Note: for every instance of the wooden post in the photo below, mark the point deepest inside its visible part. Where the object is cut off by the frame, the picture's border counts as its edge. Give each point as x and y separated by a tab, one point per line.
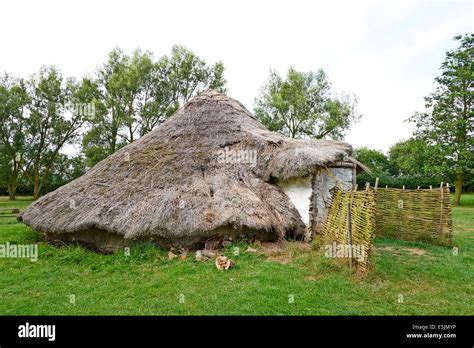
354	176
349	232
386	186
431	187
355	187
367	186
403	187
441	211
418	188
376	183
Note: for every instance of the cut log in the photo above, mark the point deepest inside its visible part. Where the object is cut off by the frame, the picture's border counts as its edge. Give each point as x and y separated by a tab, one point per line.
224	263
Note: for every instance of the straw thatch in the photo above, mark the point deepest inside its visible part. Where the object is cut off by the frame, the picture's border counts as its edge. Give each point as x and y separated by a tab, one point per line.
174	186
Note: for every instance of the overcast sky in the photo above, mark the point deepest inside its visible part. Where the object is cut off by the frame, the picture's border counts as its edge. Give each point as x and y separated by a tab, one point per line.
386	52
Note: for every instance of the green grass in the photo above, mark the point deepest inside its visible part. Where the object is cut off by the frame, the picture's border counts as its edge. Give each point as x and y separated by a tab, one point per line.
147	283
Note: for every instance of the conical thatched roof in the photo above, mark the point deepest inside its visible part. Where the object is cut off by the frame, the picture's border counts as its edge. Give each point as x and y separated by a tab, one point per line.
174	185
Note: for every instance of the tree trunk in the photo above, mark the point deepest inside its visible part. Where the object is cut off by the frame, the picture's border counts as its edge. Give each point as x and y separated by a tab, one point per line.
12	192
12	185
42	182
113	143
458	189
130	129
36	180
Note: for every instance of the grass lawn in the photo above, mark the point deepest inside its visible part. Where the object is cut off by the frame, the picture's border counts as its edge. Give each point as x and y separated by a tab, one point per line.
431	279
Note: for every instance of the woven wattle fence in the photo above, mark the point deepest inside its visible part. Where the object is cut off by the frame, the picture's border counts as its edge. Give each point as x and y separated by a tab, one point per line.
355	230
414	215
410	215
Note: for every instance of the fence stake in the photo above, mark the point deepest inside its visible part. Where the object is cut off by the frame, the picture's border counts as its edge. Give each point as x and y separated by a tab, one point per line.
376	183
367	185
441	210
349	232
418	187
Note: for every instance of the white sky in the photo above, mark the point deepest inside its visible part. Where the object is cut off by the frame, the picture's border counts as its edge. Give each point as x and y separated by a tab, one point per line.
386	52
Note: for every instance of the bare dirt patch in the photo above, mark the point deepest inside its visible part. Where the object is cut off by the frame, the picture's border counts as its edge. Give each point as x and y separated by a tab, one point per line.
403	250
314	277
416	251
282	251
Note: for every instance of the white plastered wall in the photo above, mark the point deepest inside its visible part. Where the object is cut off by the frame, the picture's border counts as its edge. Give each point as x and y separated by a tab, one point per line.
299	191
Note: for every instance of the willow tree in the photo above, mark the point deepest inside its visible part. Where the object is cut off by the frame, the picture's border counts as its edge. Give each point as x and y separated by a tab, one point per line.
302	105
53	121
448	122
138	93
13	138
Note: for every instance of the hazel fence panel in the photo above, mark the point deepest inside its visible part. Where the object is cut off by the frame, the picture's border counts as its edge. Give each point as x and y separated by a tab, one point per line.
422	215
349	226
355	217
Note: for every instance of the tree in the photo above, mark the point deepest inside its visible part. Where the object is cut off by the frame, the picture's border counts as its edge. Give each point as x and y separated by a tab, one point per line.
448	122
301	105
188	74
53	122
415	156
378	164
410	163
13	145
66	169
138	94
174	80
374	159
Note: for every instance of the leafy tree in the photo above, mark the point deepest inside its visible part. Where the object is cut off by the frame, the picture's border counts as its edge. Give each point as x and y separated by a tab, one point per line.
416	157
301	105
139	93
188	75
14	144
156	103
53	121
174	80
118	88
448	122
374	159
378	164
65	169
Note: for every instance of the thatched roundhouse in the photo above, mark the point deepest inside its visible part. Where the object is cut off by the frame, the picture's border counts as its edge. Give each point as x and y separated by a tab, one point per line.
210	170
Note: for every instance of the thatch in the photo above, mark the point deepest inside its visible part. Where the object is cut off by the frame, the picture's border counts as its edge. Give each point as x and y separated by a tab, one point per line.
172	186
